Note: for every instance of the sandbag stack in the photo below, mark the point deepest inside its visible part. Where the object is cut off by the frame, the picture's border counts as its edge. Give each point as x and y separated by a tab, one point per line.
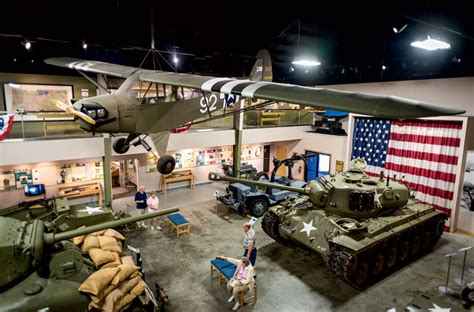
118	280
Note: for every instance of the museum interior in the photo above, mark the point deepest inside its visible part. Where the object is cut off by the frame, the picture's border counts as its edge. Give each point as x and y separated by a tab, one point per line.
168	157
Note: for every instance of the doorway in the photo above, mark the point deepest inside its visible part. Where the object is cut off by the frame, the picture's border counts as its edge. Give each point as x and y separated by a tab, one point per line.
266	158
281	154
317	166
124	177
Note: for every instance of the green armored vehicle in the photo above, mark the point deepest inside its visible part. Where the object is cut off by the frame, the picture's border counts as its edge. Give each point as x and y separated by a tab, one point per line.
43	270
365	228
60	216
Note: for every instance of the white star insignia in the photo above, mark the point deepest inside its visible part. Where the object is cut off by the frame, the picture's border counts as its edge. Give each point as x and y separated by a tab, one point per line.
92	210
308	227
437	308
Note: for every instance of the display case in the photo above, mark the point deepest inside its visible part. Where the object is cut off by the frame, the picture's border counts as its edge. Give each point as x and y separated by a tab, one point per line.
80	189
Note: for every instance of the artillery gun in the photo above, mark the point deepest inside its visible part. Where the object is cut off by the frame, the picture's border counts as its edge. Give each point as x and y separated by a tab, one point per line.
59	215
44	270
365	228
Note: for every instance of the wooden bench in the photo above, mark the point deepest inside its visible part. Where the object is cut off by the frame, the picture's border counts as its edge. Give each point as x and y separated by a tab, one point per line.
177	176
179	223
225	271
269	116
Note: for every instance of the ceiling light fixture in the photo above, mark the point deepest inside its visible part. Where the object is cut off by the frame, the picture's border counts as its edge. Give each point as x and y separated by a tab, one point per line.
398	30
431	44
307	63
84	45
384	67
27	44
175	59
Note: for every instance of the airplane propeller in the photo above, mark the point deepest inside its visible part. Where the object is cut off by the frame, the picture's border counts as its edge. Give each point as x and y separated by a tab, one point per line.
69	109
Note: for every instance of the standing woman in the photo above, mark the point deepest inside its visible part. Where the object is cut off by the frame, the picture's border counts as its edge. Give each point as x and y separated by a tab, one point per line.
140	200
153	204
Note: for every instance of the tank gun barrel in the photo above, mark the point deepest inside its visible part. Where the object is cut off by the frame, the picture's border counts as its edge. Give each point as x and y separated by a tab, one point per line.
216	177
50	238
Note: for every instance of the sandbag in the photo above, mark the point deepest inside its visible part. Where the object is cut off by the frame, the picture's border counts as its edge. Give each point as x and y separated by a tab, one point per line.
114	233
125	271
90	241
127	260
114	263
110	302
124	288
97	299
98	281
100	256
98	233
79	239
109	243
137	290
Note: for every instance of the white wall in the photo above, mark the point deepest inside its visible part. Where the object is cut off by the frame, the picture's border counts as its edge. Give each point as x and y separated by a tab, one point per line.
452	92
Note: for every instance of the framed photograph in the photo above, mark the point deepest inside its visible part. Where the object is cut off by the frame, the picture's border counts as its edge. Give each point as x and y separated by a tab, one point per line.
35	97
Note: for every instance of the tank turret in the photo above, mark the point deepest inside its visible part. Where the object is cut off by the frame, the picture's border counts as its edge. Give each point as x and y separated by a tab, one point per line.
364	227
352	194
23	244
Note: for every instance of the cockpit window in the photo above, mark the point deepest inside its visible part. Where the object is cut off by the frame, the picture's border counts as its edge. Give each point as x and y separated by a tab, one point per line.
152	93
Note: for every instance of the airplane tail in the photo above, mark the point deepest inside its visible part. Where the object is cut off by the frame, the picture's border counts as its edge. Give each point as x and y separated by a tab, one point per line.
262	70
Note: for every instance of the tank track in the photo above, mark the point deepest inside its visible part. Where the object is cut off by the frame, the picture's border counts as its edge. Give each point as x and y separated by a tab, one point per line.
270	225
367	266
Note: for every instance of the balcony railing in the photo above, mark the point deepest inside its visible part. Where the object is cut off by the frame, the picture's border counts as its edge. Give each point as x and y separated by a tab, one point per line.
40	125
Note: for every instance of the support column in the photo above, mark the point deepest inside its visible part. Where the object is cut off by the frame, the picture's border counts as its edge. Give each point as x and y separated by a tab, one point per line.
106	170
238	128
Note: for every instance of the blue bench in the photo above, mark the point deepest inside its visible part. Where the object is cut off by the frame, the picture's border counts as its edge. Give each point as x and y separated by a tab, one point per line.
179	223
225	271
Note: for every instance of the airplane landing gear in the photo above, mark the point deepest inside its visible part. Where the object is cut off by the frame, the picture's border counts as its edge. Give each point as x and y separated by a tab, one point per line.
120	147
166	164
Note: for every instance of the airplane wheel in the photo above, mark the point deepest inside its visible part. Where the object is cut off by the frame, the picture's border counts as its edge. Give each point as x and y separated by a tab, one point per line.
119	146
166	164
468	297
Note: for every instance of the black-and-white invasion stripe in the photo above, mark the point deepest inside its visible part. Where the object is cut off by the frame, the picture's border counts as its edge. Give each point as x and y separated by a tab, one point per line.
245	88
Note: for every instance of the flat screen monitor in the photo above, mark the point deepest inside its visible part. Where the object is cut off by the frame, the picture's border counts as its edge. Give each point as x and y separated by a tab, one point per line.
34	189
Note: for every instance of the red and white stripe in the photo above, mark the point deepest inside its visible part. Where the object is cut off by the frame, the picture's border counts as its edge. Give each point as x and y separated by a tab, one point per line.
425	154
7	126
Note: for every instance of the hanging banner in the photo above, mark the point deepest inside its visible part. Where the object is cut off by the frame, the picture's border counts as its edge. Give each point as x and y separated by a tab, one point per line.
6	124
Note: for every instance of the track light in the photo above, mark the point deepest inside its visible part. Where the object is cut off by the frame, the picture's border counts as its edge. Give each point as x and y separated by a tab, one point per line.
84	45
27	44
398	30
175	59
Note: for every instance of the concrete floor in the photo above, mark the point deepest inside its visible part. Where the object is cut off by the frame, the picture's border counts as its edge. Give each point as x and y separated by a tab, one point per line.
288	279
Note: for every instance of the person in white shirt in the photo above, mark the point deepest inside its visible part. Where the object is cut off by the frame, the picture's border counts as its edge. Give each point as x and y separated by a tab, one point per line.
153	203
242	280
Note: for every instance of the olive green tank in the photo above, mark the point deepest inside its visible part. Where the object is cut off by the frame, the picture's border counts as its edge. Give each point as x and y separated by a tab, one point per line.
365	228
44	270
60	216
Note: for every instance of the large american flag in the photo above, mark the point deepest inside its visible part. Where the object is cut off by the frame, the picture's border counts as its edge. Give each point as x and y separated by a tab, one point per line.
422	153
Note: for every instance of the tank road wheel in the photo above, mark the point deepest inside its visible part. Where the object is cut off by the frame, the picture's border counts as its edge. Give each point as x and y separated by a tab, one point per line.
403	251
426	240
391	257
257	206
361	273
120	147
377	263
166	164
440	227
415	244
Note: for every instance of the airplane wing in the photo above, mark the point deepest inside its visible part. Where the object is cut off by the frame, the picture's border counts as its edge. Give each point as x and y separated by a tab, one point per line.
361	103
97	67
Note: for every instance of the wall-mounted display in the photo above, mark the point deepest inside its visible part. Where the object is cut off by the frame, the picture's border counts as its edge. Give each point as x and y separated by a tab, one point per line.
35	97
7	180
68	173
190	158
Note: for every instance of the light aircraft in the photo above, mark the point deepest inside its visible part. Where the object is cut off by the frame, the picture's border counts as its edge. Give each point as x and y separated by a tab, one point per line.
153	102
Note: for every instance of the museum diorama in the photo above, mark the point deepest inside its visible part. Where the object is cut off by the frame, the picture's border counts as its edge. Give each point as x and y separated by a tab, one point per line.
156	158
